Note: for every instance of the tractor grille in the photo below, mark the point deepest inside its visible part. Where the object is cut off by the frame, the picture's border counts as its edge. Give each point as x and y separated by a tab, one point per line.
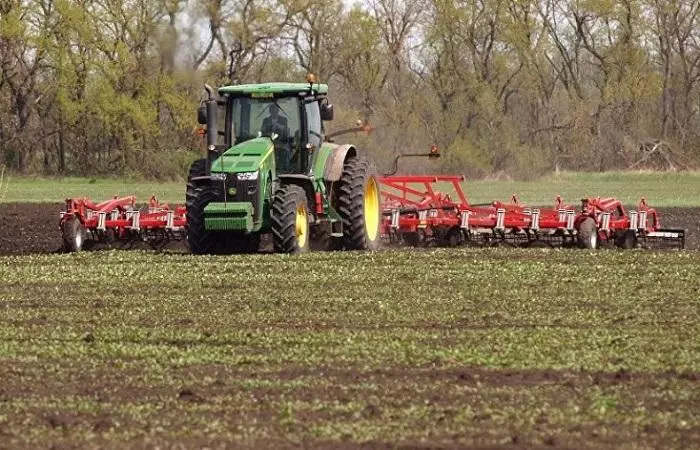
246	191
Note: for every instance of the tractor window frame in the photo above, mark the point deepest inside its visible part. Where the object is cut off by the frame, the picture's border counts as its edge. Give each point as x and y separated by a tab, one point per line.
242	113
313	128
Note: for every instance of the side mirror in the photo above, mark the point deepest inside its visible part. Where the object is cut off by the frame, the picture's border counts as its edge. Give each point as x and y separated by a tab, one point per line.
202	114
326	112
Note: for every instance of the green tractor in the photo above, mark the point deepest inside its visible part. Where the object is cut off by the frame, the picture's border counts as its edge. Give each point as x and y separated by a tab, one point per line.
271	168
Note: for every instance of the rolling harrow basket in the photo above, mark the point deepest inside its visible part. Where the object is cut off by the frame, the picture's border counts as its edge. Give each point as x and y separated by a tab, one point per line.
416	213
118	222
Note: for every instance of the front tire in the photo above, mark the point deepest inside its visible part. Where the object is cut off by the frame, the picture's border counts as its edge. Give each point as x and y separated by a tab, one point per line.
290	220
358	205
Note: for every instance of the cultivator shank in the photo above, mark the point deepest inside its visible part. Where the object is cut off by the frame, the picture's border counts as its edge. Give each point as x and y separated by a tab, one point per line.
117	221
416	212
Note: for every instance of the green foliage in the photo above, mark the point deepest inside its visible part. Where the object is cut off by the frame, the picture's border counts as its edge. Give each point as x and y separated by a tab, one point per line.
111	88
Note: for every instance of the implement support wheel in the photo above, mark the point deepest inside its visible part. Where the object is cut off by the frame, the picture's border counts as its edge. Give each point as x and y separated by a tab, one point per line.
358	205
588	234
74	235
290	220
626	240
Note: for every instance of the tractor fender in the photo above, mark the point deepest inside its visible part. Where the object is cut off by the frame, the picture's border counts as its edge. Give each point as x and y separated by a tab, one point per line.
304	181
334	166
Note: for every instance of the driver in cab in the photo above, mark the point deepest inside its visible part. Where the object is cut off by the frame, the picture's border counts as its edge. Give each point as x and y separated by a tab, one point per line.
275	123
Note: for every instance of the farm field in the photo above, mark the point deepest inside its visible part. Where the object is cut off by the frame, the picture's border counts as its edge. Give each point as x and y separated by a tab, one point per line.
661	189
444	347
433	347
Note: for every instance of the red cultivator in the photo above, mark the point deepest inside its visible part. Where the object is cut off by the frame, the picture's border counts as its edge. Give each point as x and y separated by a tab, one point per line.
416	213
117	221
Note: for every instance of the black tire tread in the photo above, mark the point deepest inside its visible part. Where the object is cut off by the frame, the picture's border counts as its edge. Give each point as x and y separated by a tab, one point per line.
284	206
350	203
197	169
626	240
199	239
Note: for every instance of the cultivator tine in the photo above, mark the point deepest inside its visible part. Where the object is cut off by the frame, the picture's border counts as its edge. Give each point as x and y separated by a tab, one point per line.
633	220
642	220
464	220
570	218
535	220
101	221
395	215
135	221
500	219
422	218
605	221
169	220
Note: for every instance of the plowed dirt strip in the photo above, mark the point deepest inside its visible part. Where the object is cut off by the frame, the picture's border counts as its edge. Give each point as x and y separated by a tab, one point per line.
33	227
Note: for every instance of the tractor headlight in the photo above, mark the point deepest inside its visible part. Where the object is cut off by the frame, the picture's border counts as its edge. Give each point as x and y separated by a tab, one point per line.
248	176
218	176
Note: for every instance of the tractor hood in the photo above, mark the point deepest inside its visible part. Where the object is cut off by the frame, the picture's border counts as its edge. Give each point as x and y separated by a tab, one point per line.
247	156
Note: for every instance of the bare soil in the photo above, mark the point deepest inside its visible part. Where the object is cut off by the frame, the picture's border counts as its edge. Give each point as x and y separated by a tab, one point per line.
33	227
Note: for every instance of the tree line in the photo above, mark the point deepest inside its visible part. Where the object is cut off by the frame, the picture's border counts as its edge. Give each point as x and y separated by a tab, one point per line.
512	88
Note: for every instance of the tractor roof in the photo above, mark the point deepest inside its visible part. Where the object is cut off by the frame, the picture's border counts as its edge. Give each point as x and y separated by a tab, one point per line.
273	88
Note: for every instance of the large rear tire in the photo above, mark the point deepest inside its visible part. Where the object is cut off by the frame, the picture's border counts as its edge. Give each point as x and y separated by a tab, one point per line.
290	220
199	239
588	234
358	205
197	169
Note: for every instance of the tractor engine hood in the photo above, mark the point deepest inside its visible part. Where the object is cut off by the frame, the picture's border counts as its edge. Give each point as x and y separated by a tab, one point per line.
247	156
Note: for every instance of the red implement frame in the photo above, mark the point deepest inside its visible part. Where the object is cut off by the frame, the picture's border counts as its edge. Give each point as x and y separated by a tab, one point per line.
118	220
416	212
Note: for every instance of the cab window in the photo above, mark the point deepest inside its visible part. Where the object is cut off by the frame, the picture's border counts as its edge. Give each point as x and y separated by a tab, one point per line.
313	118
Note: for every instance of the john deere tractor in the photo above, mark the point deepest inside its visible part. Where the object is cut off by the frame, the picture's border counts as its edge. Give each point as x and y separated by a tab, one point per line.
270	168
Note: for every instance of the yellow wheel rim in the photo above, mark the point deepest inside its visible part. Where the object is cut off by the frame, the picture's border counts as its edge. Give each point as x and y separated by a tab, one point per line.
302	226
372	209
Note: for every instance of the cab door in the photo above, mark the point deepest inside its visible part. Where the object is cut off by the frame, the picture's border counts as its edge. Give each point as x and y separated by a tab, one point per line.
314	133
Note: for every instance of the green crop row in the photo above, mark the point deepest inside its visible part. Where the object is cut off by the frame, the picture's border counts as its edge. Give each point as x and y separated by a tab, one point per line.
487	346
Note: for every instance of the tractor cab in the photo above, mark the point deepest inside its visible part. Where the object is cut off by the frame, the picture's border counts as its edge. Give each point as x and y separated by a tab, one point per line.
289	115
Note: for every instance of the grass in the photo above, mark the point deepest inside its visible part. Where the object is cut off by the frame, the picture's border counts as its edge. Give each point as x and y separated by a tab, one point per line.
26	189
469	347
4	184
661	189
